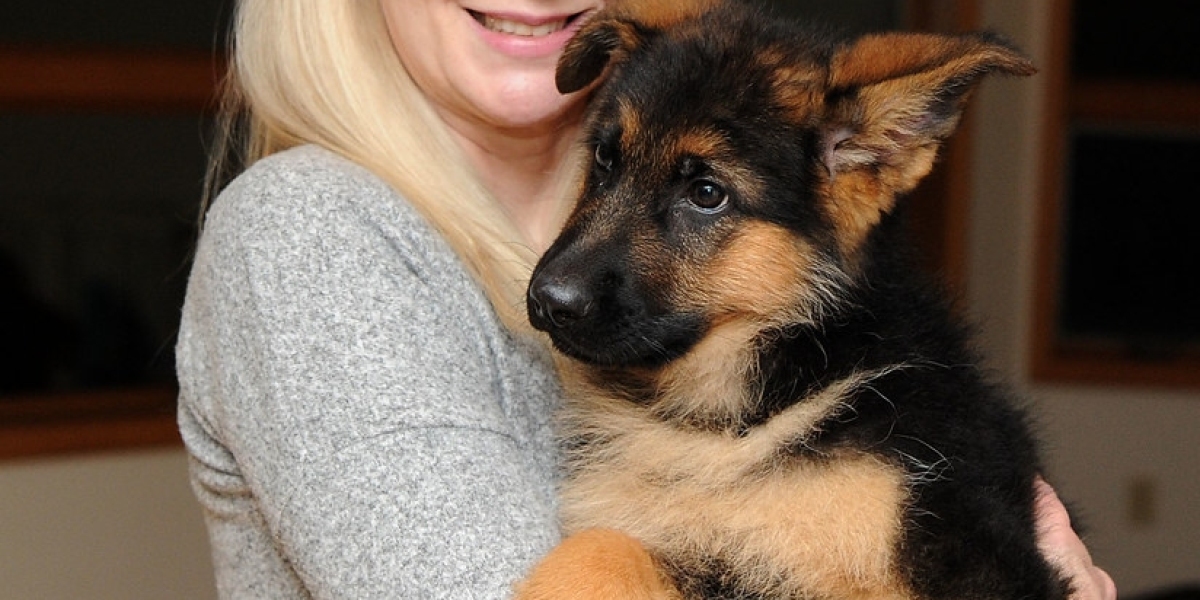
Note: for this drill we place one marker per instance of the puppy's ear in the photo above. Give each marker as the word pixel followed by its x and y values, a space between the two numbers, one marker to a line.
pixel 611 35
pixel 602 40
pixel 893 98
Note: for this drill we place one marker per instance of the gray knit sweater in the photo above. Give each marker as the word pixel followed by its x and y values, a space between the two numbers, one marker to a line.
pixel 360 424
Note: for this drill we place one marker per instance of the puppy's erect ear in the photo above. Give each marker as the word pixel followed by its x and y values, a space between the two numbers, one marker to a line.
pixel 890 102
pixel 893 98
pixel 611 35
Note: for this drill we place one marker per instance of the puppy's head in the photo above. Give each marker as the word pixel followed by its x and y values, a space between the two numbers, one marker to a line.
pixel 737 166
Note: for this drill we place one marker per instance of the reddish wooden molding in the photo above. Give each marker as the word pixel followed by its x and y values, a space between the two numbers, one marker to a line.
pixel 1139 102
pixel 138 81
pixel 51 424
pixel 1116 102
pixel 56 80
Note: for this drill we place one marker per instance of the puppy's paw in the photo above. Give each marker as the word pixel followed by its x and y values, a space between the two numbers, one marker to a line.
pixel 597 564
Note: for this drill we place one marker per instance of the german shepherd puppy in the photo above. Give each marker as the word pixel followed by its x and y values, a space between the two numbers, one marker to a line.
pixel 767 400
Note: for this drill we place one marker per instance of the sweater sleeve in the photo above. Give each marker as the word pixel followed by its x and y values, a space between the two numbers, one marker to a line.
pixel 359 423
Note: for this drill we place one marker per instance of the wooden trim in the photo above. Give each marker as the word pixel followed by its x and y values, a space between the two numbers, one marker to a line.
pixel 1052 358
pixel 1152 102
pixel 85 436
pixel 55 80
pixel 943 15
pixel 39 425
pixel 1049 217
pixel 1095 366
pixel 940 207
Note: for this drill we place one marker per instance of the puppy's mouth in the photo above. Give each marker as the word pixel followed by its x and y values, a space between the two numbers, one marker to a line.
pixel 504 25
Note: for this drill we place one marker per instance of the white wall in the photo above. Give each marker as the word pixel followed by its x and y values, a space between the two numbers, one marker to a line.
pixel 1101 440
pixel 111 526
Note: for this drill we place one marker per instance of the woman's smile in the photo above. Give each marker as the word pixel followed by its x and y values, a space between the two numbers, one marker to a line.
pixel 527 36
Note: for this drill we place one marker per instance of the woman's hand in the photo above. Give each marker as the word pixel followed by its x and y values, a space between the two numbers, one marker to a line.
pixel 1063 548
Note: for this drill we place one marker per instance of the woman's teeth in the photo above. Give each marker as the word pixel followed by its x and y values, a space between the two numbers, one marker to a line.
pixel 522 29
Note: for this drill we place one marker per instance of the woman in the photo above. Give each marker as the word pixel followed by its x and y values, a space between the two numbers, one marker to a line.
pixel 365 410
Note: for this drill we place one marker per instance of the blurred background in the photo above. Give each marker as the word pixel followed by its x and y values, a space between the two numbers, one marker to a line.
pixel 1064 213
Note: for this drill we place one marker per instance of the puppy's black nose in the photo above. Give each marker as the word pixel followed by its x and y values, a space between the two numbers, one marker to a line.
pixel 554 303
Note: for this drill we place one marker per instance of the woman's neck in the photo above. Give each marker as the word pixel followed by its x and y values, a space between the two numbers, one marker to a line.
pixel 523 172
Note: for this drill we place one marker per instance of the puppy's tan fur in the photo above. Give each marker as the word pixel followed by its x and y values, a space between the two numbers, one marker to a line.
pixel 734 497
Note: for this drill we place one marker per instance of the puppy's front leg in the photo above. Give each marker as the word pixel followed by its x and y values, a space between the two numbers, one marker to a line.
pixel 597 564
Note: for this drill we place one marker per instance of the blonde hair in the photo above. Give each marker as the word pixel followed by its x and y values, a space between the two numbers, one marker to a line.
pixel 324 72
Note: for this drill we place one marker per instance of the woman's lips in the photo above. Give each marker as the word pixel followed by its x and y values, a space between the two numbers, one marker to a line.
pixel 523 36
pixel 501 24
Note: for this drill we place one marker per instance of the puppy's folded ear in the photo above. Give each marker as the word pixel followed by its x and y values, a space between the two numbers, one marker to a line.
pixel 604 39
pixel 614 33
pixel 893 98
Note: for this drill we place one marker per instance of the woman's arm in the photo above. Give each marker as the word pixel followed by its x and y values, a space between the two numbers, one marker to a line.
pixel 360 425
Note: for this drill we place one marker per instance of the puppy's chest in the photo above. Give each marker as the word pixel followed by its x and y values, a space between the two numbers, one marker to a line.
pixel 699 498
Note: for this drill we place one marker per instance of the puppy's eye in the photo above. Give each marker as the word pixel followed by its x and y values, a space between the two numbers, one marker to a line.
pixel 603 157
pixel 707 195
